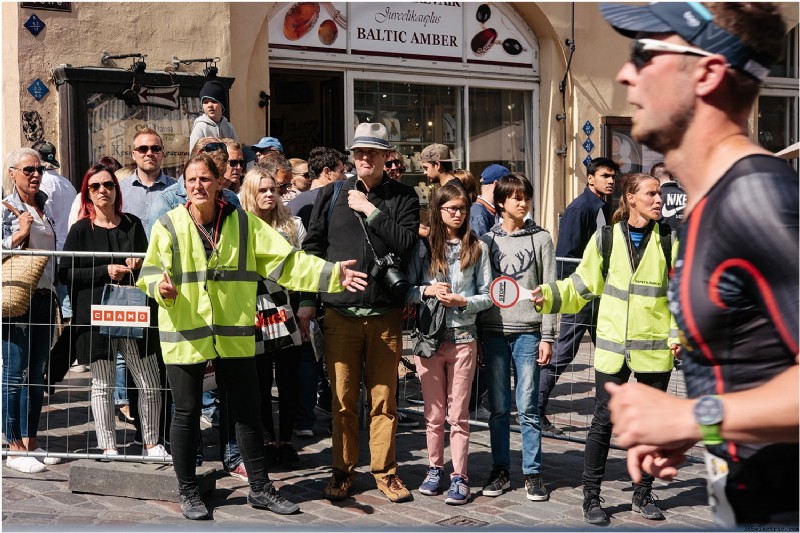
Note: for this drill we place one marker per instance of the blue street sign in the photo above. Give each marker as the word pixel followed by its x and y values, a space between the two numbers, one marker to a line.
pixel 588 128
pixel 35 25
pixel 38 89
pixel 587 160
pixel 588 145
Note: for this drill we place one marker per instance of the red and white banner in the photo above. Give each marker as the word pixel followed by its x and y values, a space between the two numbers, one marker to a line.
pixel 134 316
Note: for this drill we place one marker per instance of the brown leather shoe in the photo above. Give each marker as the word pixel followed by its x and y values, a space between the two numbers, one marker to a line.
pixel 393 488
pixel 338 487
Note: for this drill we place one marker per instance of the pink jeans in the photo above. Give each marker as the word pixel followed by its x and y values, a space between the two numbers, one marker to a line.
pixel 446 380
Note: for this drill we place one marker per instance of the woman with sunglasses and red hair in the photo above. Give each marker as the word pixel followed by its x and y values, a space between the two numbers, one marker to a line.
pixel 103 227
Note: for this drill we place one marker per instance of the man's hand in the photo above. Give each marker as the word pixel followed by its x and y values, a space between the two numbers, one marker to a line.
pixel 545 353
pixel 357 201
pixel 167 289
pixel 305 315
pixel 658 462
pixel 352 280
pixel 644 415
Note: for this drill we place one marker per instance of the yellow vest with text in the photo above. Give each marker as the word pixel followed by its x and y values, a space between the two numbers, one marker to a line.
pixel 634 325
pixel 215 309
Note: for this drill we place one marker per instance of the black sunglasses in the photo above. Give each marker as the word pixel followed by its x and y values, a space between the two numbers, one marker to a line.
pixel 283 186
pixel 214 147
pixel 107 185
pixel 237 162
pixel 144 149
pixel 304 174
pixel 644 50
pixel 30 170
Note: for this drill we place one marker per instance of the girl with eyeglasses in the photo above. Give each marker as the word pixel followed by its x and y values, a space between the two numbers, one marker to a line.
pixel 27 223
pixel 103 227
pixel 454 268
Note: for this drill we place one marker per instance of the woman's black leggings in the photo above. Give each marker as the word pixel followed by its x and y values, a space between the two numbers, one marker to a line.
pixel 599 437
pixel 240 379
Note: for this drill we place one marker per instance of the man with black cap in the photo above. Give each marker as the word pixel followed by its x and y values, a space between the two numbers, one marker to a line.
pixel 374 219
pixel 693 76
pixel 60 195
pixel 482 214
pixel 212 123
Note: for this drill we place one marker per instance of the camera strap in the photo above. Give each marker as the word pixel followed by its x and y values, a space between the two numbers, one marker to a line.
pixel 366 234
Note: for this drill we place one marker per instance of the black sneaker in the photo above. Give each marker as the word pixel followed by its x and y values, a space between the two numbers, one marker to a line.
pixel 593 513
pixel 269 498
pixel 644 502
pixel 534 488
pixel 549 428
pixel 416 399
pixel 497 483
pixel 192 505
pixel 288 455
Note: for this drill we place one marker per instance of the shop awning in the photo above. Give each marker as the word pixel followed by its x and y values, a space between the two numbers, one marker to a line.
pixel 790 152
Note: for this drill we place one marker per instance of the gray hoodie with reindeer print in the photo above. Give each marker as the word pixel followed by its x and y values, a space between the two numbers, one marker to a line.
pixel 528 257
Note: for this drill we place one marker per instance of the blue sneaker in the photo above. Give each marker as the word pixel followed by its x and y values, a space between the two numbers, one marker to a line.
pixel 431 485
pixel 459 491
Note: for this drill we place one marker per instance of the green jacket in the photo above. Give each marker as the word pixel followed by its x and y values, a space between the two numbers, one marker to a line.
pixel 634 325
pixel 215 310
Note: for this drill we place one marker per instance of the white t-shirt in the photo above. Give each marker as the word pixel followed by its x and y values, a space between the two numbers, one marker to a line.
pixel 43 237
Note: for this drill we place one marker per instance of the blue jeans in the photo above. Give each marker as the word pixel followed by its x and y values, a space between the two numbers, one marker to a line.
pixel 521 350
pixel 120 390
pixel 26 349
pixel 307 387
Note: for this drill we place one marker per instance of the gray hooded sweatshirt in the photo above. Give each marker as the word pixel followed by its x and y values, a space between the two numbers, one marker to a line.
pixel 528 257
pixel 205 127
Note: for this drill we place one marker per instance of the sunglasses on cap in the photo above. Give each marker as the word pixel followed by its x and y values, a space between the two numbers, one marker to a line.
pixel 144 149
pixel 107 185
pixel 30 170
pixel 213 147
pixel 237 162
pixel 643 51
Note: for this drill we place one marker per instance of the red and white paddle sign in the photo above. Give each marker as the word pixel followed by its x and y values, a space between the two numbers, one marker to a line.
pixel 506 292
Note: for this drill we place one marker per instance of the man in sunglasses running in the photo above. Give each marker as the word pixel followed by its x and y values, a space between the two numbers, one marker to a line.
pixel 693 76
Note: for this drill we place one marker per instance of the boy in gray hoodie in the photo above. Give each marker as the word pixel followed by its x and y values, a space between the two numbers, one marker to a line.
pixel 522 250
pixel 212 123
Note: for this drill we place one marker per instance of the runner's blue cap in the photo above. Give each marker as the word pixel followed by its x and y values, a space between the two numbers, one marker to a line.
pixel 693 22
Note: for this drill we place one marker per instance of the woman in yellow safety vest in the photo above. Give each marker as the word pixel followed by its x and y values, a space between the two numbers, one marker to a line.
pixel 636 333
pixel 203 263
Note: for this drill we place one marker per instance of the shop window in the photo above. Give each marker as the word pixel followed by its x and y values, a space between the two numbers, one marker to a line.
pixel 102 113
pixel 415 116
pixel 497 132
pixel 777 120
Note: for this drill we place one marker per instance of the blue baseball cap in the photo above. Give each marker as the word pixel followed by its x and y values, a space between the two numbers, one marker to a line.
pixel 493 173
pixel 268 142
pixel 692 21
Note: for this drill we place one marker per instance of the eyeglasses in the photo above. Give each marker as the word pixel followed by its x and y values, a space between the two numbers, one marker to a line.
pixel 107 185
pixel 30 170
pixel 283 186
pixel 237 162
pixel 213 147
pixel 304 174
pixel 453 210
pixel 144 149
pixel 643 51
pixel 393 163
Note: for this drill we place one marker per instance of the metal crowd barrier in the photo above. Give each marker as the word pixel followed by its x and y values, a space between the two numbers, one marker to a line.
pixel 66 428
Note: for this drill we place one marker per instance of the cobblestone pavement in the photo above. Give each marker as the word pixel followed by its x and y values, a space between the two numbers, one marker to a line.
pixel 44 501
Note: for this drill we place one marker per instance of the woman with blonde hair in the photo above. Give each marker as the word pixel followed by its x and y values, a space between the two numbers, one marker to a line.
pixel 275 362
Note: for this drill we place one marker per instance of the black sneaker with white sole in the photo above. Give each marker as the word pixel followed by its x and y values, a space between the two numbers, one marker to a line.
pixel 535 489
pixel 498 483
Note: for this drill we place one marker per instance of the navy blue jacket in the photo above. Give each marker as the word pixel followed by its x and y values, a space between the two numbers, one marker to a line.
pixel 581 219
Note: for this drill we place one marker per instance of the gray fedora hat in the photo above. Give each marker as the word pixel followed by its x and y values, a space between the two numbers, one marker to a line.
pixel 371 135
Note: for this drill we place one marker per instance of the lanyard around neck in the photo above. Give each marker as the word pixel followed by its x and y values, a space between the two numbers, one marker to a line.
pixel 213 239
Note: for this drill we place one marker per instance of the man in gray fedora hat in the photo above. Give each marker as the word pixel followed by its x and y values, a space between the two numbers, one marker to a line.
pixel 374 219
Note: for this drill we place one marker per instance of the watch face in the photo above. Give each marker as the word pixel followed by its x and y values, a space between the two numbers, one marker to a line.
pixel 708 411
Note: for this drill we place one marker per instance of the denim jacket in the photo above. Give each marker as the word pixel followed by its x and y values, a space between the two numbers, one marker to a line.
pixel 473 284
pixel 10 222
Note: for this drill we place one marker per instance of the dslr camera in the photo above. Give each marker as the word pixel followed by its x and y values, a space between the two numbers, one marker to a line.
pixel 388 270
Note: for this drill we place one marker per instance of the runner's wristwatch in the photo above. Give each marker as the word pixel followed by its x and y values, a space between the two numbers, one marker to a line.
pixel 708 412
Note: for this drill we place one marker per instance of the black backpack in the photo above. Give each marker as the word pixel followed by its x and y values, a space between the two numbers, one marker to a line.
pixel 607 242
